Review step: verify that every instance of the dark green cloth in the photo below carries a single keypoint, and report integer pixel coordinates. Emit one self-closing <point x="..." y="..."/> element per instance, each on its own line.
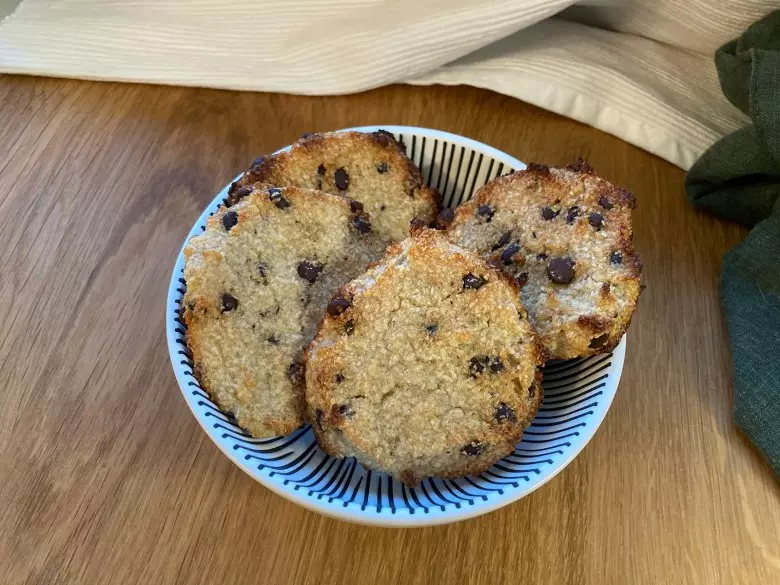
<point x="738" y="178"/>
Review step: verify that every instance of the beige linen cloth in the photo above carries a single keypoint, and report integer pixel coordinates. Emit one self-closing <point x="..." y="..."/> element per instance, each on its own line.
<point x="639" y="69"/>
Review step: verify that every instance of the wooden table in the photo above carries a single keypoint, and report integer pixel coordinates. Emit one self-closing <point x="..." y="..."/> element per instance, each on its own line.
<point x="106" y="476"/>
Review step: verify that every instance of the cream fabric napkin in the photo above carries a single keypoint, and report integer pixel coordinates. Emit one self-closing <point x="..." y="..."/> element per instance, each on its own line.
<point x="639" y="69"/>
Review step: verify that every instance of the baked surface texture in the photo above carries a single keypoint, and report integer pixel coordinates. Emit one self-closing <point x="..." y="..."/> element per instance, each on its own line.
<point x="565" y="236"/>
<point x="258" y="280"/>
<point x="369" y="167"/>
<point x="424" y="366"/>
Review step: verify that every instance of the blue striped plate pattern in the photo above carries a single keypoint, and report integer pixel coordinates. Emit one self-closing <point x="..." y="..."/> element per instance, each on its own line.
<point x="577" y="395"/>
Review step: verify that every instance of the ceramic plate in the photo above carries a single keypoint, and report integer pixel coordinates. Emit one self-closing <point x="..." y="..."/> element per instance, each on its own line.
<point x="577" y="395"/>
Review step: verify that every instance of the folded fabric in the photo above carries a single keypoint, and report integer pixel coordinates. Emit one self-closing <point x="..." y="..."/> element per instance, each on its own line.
<point x="738" y="178"/>
<point x="654" y="87"/>
<point x="662" y="99"/>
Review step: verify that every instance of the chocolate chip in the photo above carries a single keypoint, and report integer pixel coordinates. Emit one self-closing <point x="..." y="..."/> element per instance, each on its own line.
<point x="237" y="195"/>
<point x="521" y="279"/>
<point x="444" y="219"/>
<point x="321" y="170"/>
<point x="605" y="203"/>
<point x="355" y="206"/>
<point x="295" y="373"/>
<point x="541" y="256"/>
<point x="502" y="241"/>
<point x="342" y="179"/>
<point x="531" y="390"/>
<point x="432" y="329"/>
<point x="561" y="270"/>
<point x="229" y="220"/>
<point x="548" y="213"/>
<point x="318" y="415"/>
<point x="473" y="449"/>
<point x="382" y="168"/>
<point x="536" y="167"/>
<point x="572" y="214"/>
<point x="596" y="220"/>
<point x="233" y="186"/>
<point x="478" y="364"/>
<point x="417" y="224"/>
<point x="276" y="197"/>
<point x="383" y="137"/>
<point x="486" y="211"/>
<point x="628" y="197"/>
<point x="339" y="378"/>
<point x="599" y="341"/>
<point x="306" y="135"/>
<point x="580" y="166"/>
<point x="505" y="412"/>
<point x="361" y="224"/>
<point x="616" y="257"/>
<point x="229" y="303"/>
<point x="382" y="208"/>
<point x="507" y="256"/>
<point x="273" y="340"/>
<point x="309" y="270"/>
<point x="338" y="305"/>
<point x="346" y="410"/>
<point x="349" y="327"/>
<point x="258" y="161"/>
<point x="474" y="282"/>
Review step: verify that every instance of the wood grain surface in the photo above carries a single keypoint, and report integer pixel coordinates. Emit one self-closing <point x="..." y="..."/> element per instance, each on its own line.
<point x="105" y="477"/>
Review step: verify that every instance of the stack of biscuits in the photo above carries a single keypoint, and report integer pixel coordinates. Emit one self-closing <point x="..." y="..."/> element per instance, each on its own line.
<point x="319" y="294"/>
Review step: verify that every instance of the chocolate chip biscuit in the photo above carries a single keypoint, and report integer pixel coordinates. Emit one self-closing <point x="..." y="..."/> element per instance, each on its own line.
<point x="258" y="281"/>
<point x="369" y="167"/>
<point x="424" y="366"/>
<point x="565" y="236"/>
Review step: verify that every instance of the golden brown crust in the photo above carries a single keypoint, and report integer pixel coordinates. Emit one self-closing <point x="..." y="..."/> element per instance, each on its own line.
<point x="258" y="279"/>
<point x="369" y="167"/>
<point x="424" y="366"/>
<point x="565" y="235"/>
